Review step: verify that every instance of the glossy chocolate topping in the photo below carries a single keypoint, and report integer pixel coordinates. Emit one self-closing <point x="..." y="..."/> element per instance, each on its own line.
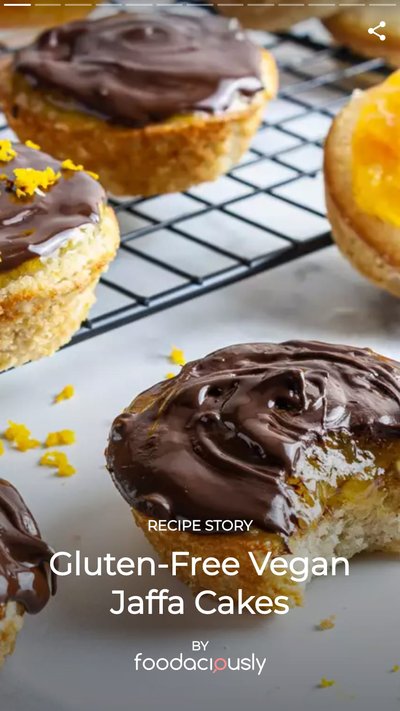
<point x="143" y="68"/>
<point x="223" y="438"/>
<point x="24" y="557"/>
<point x="38" y="225"/>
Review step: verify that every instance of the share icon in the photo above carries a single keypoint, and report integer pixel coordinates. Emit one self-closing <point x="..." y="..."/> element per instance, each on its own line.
<point x="373" y="30"/>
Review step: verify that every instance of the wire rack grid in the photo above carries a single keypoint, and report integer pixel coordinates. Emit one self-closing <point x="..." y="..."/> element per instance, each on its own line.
<point x="267" y="211"/>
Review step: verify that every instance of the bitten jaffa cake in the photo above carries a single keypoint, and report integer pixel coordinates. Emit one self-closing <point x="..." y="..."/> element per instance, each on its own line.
<point x="57" y="235"/>
<point x="153" y="102"/>
<point x="362" y="182"/>
<point x="26" y="583"/>
<point x="301" y="438"/>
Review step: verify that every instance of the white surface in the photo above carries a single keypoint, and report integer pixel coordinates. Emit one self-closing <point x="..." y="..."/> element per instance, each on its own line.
<point x="76" y="656"/>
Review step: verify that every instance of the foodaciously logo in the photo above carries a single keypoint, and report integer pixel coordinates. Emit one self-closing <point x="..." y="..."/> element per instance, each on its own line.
<point x="211" y="664"/>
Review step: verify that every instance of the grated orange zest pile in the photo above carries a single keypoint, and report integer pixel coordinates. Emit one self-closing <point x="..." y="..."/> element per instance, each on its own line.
<point x="58" y="461"/>
<point x="7" y="152"/>
<point x="61" y="437"/>
<point x="28" y="180"/>
<point x="20" y="435"/>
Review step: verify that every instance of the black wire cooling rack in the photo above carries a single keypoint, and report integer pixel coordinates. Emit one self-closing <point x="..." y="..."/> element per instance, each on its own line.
<point x="267" y="211"/>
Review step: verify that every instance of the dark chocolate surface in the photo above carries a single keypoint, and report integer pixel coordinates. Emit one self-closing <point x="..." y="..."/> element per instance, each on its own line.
<point x="142" y="68"/>
<point x="38" y="225"/>
<point x="24" y="557"/>
<point x="223" y="439"/>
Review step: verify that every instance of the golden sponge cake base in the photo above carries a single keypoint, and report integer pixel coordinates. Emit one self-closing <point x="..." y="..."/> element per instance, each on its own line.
<point x="11" y="621"/>
<point x="43" y="302"/>
<point x="367" y="521"/>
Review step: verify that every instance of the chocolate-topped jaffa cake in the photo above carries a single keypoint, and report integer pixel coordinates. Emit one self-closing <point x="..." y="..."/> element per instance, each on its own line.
<point x="300" y="438"/>
<point x="57" y="235"/>
<point x="26" y="583"/>
<point x="153" y="102"/>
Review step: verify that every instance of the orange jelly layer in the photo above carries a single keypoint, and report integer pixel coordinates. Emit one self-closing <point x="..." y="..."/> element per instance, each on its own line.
<point x="376" y="152"/>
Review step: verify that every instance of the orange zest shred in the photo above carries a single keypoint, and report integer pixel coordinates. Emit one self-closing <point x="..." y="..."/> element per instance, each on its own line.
<point x="7" y="152"/>
<point x="1" y="448"/>
<point x="169" y="376"/>
<point x="93" y="175"/>
<point x="58" y="461"/>
<point x="28" y="180"/>
<point x="326" y="683"/>
<point x="177" y="356"/>
<point x="65" y="394"/>
<point x="20" y="435"/>
<point x="68" y="164"/>
<point x="55" y="439"/>
<point x="31" y="144"/>
<point x="327" y="624"/>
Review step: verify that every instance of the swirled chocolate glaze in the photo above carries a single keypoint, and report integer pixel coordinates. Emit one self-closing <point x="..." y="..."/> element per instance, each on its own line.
<point x="38" y="225"/>
<point x="143" y="68"/>
<point x="224" y="438"/>
<point x="24" y="557"/>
